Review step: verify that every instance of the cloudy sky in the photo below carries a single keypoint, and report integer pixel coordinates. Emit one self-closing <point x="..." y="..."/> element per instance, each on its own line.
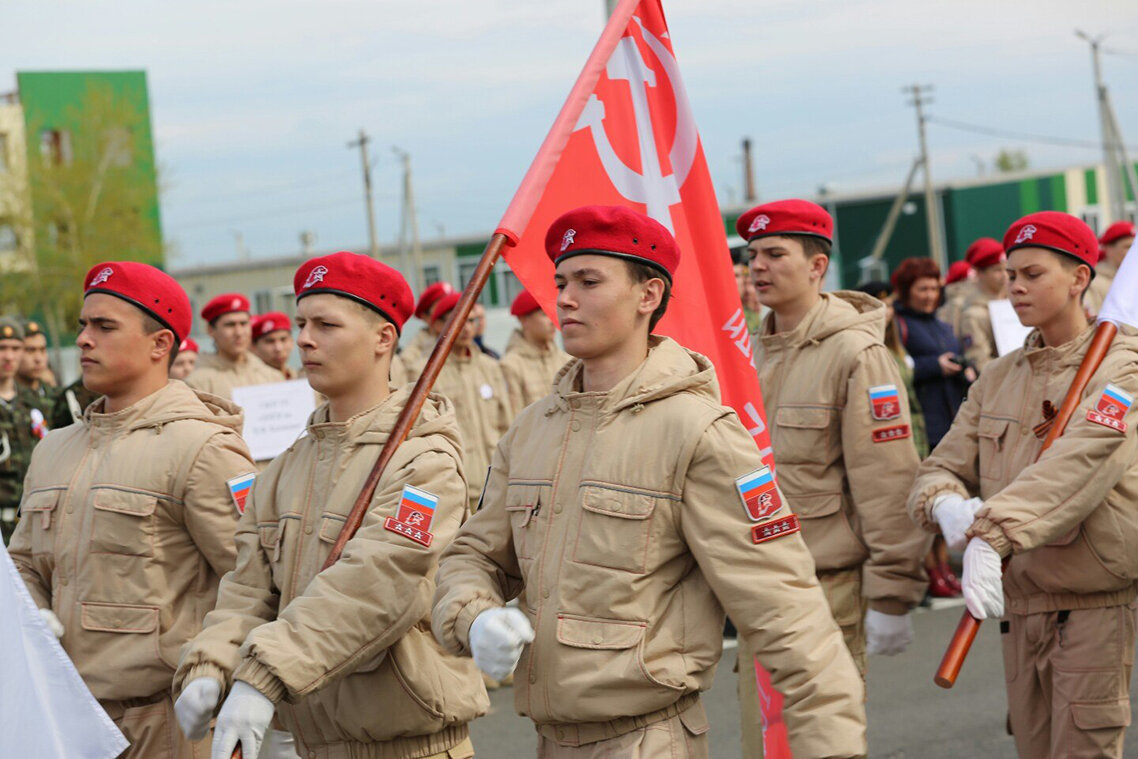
<point x="254" y="102"/>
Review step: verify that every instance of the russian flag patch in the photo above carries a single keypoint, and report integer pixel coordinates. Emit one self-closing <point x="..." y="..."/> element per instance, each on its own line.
<point x="759" y="493"/>
<point x="884" y="402"/>
<point x="1110" y="411"/>
<point x="416" y="512"/>
<point x="239" y="488"/>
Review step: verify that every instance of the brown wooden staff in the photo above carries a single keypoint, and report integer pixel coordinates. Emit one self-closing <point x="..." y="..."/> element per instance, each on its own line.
<point x="410" y="412"/>
<point x="961" y="642"/>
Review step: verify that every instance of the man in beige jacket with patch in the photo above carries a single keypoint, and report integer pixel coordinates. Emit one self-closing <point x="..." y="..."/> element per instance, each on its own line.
<point x="128" y="516"/>
<point x="234" y="364"/>
<point x="344" y="655"/>
<point x="532" y="356"/>
<point x="1065" y="523"/>
<point x="625" y="511"/>
<point x="976" y="335"/>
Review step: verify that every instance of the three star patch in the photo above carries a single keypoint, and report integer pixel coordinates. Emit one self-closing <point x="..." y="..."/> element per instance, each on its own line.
<point x="759" y="493"/>
<point x="884" y="402"/>
<point x="416" y="512"/>
<point x="775" y="528"/>
<point x="1110" y="411"/>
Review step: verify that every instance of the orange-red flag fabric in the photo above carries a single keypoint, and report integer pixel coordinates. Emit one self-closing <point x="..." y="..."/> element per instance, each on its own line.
<point x="626" y="136"/>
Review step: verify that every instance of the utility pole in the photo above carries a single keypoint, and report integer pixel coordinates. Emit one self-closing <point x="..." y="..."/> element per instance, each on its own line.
<point x="373" y="241"/>
<point x="409" y="224"/>
<point x="748" y="173"/>
<point x="920" y="98"/>
<point x="1111" y="140"/>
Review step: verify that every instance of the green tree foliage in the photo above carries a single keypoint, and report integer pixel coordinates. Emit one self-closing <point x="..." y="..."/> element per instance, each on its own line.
<point x="1008" y="161"/>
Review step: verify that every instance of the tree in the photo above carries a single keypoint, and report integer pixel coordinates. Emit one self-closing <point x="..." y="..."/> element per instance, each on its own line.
<point x="87" y="205"/>
<point x="1008" y="161"/>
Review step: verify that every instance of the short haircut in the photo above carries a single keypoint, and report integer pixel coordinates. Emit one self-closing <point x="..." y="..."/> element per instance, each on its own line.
<point x="909" y="271"/>
<point x="639" y="272"/>
<point x="1070" y="263"/>
<point x="150" y="325"/>
<point x="812" y="245"/>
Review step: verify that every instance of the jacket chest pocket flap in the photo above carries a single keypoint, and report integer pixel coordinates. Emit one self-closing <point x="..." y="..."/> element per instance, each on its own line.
<point x="523" y="507"/>
<point x="271" y="535"/>
<point x="119" y="618"/>
<point x="123" y="522"/>
<point x="39" y="505"/>
<point x="991" y="440"/>
<point x="802" y="431"/>
<point x="615" y="528"/>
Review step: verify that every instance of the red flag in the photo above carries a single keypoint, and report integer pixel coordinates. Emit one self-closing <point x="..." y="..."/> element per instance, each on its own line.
<point x="626" y="136"/>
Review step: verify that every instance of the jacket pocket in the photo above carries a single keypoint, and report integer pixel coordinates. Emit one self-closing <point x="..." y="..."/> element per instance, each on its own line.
<point x="803" y="432"/>
<point x="123" y="522"/>
<point x="271" y="535"/>
<point x="617" y="648"/>
<point x="120" y="638"/>
<point x="523" y="507"/>
<point x="1109" y="716"/>
<point x="992" y="439"/>
<point x="39" y="507"/>
<point x="614" y="529"/>
<point x="828" y="531"/>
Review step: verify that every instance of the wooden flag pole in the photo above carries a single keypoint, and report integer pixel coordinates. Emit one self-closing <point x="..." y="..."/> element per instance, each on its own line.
<point x="410" y="411"/>
<point x="961" y="642"/>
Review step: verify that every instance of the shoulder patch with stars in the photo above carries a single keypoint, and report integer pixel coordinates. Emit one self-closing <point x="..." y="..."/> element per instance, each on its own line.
<point x="897" y="432"/>
<point x="884" y="402"/>
<point x="759" y="493"/>
<point x="775" y="528"/>
<point x="1110" y="411"/>
<point x="416" y="512"/>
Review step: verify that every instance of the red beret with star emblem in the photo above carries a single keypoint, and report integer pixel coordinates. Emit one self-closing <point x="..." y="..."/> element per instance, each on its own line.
<point x="1057" y="231"/>
<point x="226" y="303"/>
<point x="613" y="231"/>
<point x="428" y="297"/>
<point x="272" y="321"/>
<point x="786" y="217"/>
<point x="361" y="278"/>
<point x="524" y="304"/>
<point x="984" y="252"/>
<point x="1117" y="231"/>
<point x="189" y="345"/>
<point x="152" y="290"/>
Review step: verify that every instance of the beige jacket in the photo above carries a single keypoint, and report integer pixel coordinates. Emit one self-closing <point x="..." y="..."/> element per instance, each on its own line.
<point x="976" y="336"/>
<point x="416" y="353"/>
<point x="476" y="385"/>
<point x="219" y="376"/>
<point x="1068" y="521"/>
<point x="955" y="296"/>
<point x="529" y="369"/>
<point x="127" y="529"/>
<point x="349" y="649"/>
<point x="1099" y="286"/>
<point x="845" y="472"/>
<point x="616" y="521"/>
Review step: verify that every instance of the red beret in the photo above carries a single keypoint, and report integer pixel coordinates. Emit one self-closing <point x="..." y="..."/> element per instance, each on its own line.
<point x="361" y="278"/>
<point x="272" y="321"/>
<point x="1056" y="231"/>
<point x="524" y="304"/>
<point x="786" y="217"/>
<point x="152" y="290"/>
<point x="429" y="295"/>
<point x="613" y="231"/>
<point x="1117" y="231"/>
<point x="958" y="271"/>
<point x="986" y="248"/>
<point x="188" y="345"/>
<point x="443" y="306"/>
<point x="226" y="303"/>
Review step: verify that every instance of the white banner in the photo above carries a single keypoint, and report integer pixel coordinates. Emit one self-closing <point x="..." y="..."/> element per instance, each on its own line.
<point x="1121" y="304"/>
<point x="46" y="711"/>
<point x="275" y="415"/>
<point x="1006" y="327"/>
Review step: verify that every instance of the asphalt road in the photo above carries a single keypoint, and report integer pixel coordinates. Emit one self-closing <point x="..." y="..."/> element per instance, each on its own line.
<point x="909" y="716"/>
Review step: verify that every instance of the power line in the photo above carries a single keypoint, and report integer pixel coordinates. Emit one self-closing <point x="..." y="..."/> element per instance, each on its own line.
<point x="996" y="132"/>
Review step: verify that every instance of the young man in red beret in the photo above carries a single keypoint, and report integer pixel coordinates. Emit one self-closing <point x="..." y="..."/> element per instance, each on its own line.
<point x="477" y="386"/>
<point x="959" y="285"/>
<point x="840" y="430"/>
<point x="976" y="336"/>
<point x="128" y="517"/>
<point x="532" y="355"/>
<point x="424" y="340"/>
<point x="233" y="365"/>
<point x="1113" y="245"/>
<point x="273" y="343"/>
<point x="186" y="359"/>
<point x="343" y="655"/>
<point x="1065" y="522"/>
<point x="625" y="512"/>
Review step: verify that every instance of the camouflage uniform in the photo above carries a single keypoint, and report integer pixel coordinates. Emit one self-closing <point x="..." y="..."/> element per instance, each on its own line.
<point x="62" y="413"/>
<point x="18" y="436"/>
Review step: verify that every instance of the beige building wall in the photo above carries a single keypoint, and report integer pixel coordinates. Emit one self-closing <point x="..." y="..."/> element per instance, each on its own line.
<point x="15" y="203"/>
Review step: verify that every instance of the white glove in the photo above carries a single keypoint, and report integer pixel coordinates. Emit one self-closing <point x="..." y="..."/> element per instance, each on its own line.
<point x="887" y="634"/>
<point x="195" y="706"/>
<point x="983" y="580"/>
<point x="955" y="515"/>
<point x="53" y="622"/>
<point x="278" y="744"/>
<point x="244" y="718"/>
<point x="497" y="638"/>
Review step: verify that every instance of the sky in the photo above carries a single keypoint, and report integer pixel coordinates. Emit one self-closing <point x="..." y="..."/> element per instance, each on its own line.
<point x="254" y="103"/>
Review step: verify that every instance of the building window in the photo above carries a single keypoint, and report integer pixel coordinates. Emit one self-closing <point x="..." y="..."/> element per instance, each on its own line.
<point x="263" y="301"/>
<point x="466" y="273"/>
<point x="431" y="275"/>
<point x="8" y="239"/>
<point x="5" y="166"/>
<point x="120" y="146"/>
<point x="55" y="146"/>
<point x="511" y="285"/>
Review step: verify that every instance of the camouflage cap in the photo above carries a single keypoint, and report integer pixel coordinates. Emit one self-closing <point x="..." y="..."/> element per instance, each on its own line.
<point x="11" y="329"/>
<point x="32" y="328"/>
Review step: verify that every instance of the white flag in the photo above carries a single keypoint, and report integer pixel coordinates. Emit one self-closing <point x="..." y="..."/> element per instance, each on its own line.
<point x="1121" y="303"/>
<point x="46" y="711"/>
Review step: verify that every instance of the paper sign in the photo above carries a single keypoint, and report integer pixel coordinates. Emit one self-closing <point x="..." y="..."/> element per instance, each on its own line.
<point x="275" y="415"/>
<point x="1006" y="328"/>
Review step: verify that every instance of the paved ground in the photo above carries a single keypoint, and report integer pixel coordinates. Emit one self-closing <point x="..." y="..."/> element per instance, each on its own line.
<point x="909" y="716"/>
